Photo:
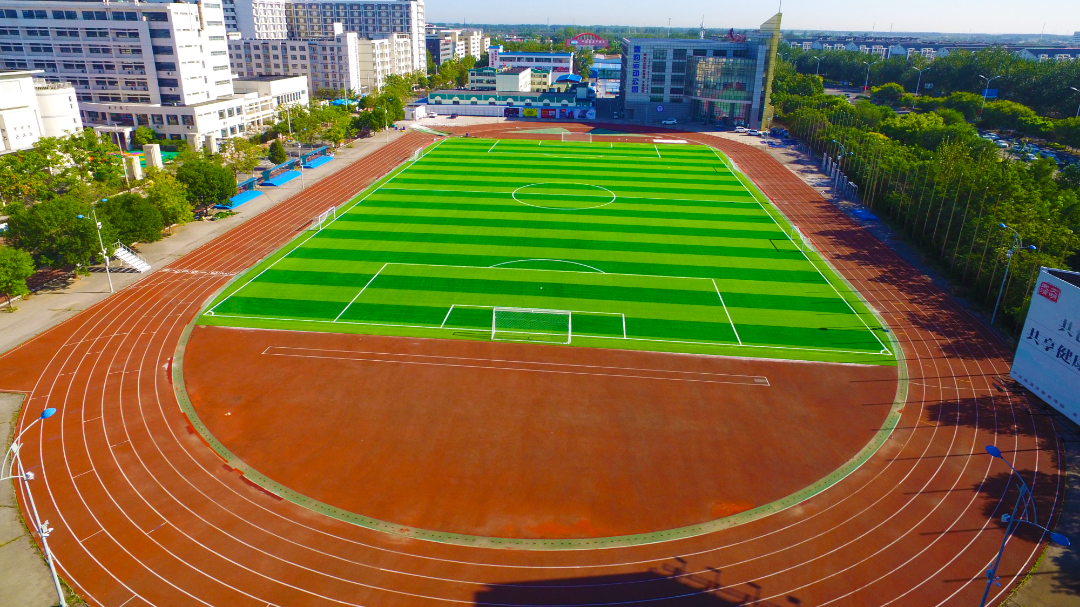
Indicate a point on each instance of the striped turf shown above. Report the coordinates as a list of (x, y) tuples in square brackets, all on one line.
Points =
[(657, 247)]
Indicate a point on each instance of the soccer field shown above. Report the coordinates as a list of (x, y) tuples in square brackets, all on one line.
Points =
[(629, 245)]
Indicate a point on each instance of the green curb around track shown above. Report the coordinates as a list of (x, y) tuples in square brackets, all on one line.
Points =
[(404, 531)]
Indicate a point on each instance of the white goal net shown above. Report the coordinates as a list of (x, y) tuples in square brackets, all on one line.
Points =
[(797, 238), (417, 153), (530, 324), (582, 137), (321, 218)]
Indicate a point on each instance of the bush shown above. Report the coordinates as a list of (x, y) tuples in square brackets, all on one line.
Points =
[(277, 152), (55, 235), (15, 267), (143, 135), (950, 116)]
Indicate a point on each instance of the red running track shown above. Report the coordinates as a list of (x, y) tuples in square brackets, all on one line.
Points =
[(145, 513)]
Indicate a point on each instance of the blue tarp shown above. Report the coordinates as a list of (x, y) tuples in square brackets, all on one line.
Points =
[(864, 214), (318, 161), (240, 199), (283, 178)]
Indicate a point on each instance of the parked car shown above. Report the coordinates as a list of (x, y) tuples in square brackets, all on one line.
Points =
[(669, 121), (1002, 144), (741, 129)]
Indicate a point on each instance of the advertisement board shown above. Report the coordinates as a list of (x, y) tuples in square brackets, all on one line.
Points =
[(528, 112), (546, 113), (512, 112), (1047, 360)]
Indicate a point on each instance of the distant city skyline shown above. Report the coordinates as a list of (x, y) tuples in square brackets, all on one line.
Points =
[(1060, 17)]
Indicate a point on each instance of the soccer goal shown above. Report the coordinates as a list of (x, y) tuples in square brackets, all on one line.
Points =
[(530, 324), (417, 153), (580, 137), (797, 238), (320, 219)]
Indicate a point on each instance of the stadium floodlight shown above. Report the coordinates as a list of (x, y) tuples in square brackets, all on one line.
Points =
[(1017, 246), (1012, 522), (25, 477)]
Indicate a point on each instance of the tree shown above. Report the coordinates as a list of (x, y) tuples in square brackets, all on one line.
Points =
[(134, 217), (60, 232), (169, 197), (583, 61), (277, 152), (15, 267), (207, 183), (886, 93), (143, 135), (240, 155)]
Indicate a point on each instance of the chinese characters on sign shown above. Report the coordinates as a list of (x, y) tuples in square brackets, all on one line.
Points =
[(1060, 345), (1049, 291), (635, 70)]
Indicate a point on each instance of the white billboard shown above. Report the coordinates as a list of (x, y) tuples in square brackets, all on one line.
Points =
[(1047, 359)]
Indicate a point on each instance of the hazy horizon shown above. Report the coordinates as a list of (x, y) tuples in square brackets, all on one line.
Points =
[(956, 17)]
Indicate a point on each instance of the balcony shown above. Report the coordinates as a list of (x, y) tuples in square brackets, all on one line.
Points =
[(44, 85)]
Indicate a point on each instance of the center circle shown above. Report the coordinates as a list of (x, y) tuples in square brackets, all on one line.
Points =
[(560, 196)]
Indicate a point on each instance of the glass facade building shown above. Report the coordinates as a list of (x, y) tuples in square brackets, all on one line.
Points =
[(721, 81)]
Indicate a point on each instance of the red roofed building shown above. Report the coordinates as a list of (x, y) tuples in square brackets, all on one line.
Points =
[(587, 39)]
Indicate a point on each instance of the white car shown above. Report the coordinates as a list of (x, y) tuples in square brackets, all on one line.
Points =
[(669, 121), (741, 129)]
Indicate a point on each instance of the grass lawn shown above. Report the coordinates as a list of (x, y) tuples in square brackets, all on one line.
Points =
[(649, 247)]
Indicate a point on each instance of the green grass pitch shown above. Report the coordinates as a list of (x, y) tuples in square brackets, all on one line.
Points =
[(650, 247)]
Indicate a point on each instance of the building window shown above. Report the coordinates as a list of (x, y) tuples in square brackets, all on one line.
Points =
[(160, 34), (125, 16), (188, 120), (156, 16), (163, 50), (157, 119), (172, 120), (27, 14)]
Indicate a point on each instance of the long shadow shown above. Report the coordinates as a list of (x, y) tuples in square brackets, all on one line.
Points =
[(667, 586), (994, 418)]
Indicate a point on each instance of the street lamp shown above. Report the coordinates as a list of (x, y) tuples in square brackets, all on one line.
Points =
[(919, 83), (1077, 107), (1011, 522), (818, 67), (866, 84), (42, 528), (104, 256), (1017, 245), (987, 88)]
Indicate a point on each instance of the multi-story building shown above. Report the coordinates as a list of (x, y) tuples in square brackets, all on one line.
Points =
[(606, 74), (257, 19), (723, 82), (510, 79), (31, 109), (157, 63), (315, 21), (558, 63), (344, 62), (446, 44)]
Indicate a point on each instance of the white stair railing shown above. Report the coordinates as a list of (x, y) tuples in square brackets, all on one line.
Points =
[(130, 258)]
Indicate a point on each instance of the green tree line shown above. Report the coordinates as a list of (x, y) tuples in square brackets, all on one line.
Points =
[(948, 191)]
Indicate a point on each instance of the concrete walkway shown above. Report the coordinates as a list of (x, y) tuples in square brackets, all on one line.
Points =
[(24, 577)]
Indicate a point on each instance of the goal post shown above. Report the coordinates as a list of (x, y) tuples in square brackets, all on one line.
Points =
[(318, 222), (579, 137), (417, 153), (531, 324)]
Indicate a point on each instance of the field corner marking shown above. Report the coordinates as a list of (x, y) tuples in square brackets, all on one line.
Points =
[(726, 313)]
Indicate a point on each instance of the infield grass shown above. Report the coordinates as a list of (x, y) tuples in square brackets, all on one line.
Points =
[(651, 247)]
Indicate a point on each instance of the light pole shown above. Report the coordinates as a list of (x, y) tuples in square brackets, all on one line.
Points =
[(384, 127), (1011, 522), (104, 255), (1018, 244), (42, 528), (866, 84), (987, 88), (919, 83), (817, 69), (1077, 107), (839, 157)]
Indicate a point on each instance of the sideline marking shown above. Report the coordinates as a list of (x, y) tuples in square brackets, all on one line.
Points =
[(372, 279)]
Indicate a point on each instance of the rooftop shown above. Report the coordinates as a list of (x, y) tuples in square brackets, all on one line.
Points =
[(515, 70), (524, 54)]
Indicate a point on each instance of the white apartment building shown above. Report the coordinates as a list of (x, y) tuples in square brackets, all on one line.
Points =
[(315, 21), (346, 61), (157, 63), (445, 44), (256, 19), (31, 109)]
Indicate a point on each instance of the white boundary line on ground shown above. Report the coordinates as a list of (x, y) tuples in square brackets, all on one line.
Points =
[(493, 146), (210, 312), (613, 196), (884, 349), (657, 151), (372, 279), (417, 190), (543, 259), (726, 311)]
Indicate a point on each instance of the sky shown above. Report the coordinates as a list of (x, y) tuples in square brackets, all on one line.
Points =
[(953, 16)]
